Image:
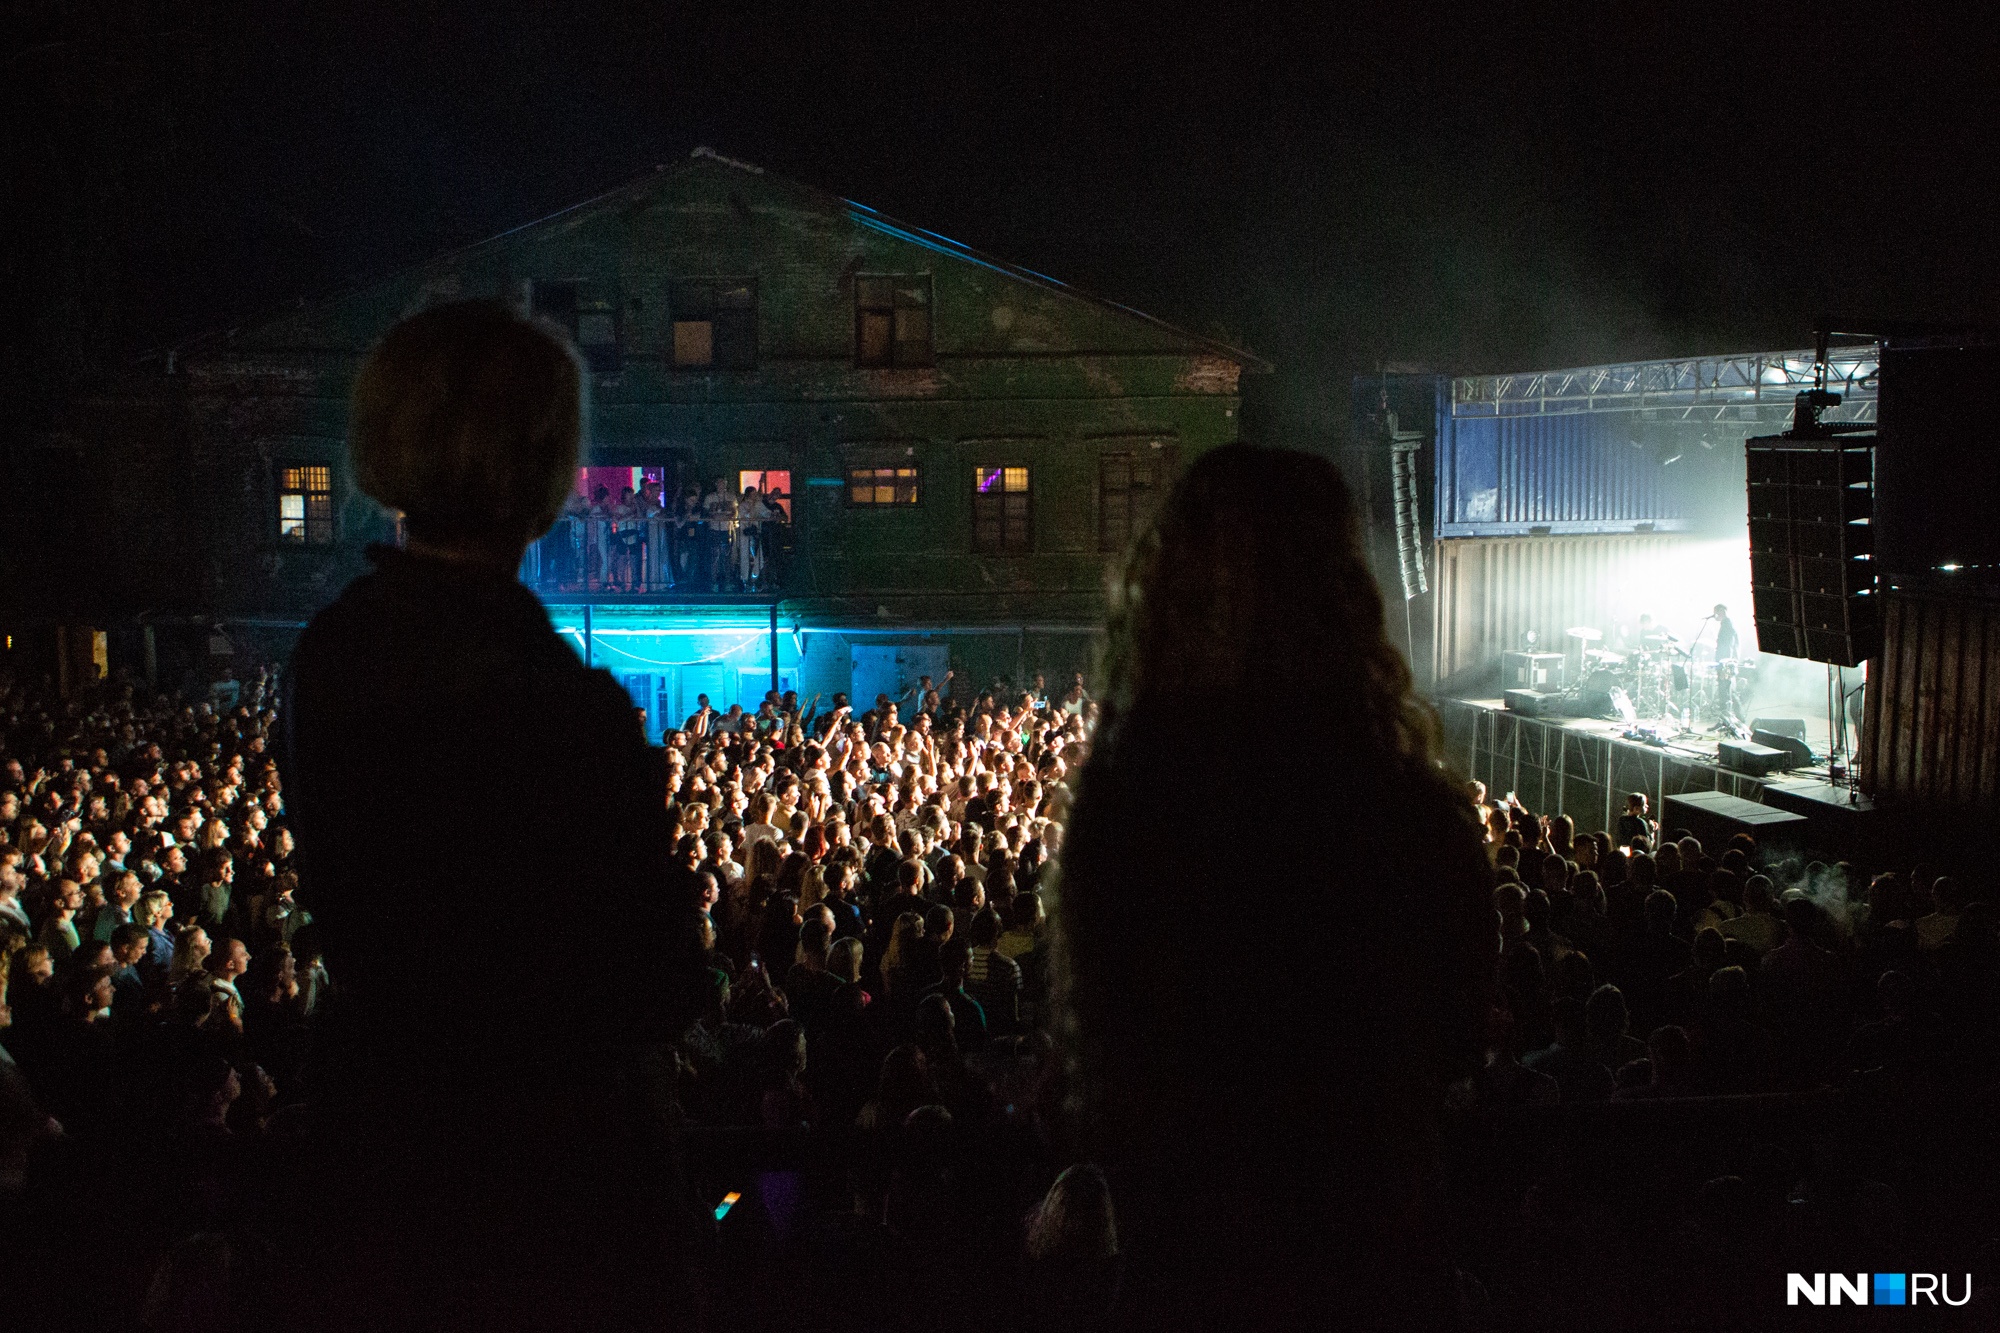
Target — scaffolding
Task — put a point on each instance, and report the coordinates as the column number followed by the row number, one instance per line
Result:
column 1559, row 769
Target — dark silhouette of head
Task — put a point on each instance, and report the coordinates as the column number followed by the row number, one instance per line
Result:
column 1252, row 581
column 468, row 418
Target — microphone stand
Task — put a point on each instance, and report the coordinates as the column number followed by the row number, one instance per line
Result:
column 1700, row 629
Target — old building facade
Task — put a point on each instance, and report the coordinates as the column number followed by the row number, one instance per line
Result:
column 959, row 445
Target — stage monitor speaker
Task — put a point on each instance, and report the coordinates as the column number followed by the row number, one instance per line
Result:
column 1797, row 753
column 1714, row 817
column 1749, row 757
column 1531, row 703
column 1795, row 727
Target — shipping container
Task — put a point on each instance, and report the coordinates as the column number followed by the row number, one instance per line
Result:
column 1492, row 591
column 1932, row 728
column 1645, row 446
column 1583, row 473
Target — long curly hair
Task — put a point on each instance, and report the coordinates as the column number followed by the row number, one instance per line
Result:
column 1260, row 1062
column 1251, row 584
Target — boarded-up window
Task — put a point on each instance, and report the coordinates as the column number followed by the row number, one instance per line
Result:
column 1002, row 511
column 305, row 504
column 892, row 321
column 896, row 485
column 555, row 302
column 714, row 323
column 1129, row 481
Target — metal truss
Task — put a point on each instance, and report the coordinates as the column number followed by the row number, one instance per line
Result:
column 1753, row 386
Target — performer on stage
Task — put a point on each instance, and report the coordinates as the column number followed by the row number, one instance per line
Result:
column 1728, row 670
column 1725, row 635
column 1642, row 638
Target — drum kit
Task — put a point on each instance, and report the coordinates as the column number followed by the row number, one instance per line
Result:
column 1661, row 679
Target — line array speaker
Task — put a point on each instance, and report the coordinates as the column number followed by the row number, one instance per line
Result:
column 1812, row 547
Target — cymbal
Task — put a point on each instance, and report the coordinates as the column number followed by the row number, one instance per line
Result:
column 1605, row 655
column 1586, row 633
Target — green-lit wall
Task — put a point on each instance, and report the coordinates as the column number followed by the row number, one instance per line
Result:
column 1026, row 373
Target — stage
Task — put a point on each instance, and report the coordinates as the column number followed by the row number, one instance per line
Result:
column 1584, row 768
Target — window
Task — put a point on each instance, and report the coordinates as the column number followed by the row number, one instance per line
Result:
column 714, row 323
column 892, row 321
column 1002, row 517
column 893, row 485
column 591, row 322
column 305, row 505
column 1128, row 482
column 555, row 302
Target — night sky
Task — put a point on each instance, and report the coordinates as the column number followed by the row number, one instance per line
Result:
column 1331, row 190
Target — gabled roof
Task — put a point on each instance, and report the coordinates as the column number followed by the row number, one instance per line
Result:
column 704, row 158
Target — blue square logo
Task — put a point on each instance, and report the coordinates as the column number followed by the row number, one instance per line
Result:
column 1890, row 1289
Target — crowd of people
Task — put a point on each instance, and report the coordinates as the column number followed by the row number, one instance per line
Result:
column 867, row 887
column 1642, row 964
column 871, row 880
column 870, row 895
column 964, row 1010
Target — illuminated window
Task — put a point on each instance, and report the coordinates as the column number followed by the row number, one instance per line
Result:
column 775, row 486
column 1127, row 485
column 1002, row 515
column 882, row 485
column 892, row 321
column 305, row 505
column 714, row 323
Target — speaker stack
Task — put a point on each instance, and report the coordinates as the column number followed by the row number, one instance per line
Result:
column 1812, row 546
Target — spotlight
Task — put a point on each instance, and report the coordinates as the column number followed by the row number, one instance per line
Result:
column 1670, row 460
column 1706, row 443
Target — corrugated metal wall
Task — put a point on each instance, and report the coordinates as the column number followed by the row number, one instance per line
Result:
column 1571, row 474
column 1490, row 591
column 1932, row 731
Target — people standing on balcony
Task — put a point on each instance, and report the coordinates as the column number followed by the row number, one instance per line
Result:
column 599, row 543
column 719, row 510
column 690, row 532
column 659, row 571
column 626, row 534
column 569, row 540
column 751, row 515
column 777, row 537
